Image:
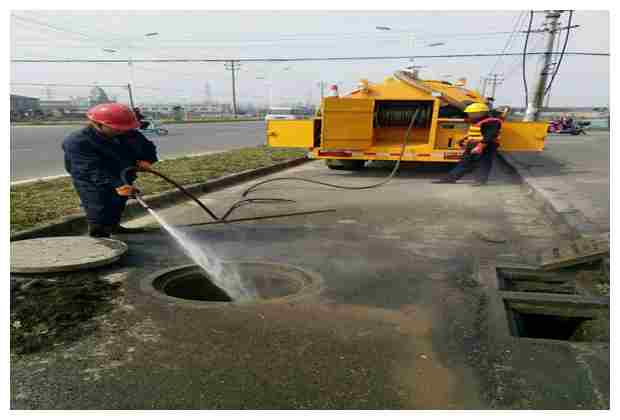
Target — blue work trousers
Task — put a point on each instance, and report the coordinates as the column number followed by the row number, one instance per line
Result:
column 470, row 162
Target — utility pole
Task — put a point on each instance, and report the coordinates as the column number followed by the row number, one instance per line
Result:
column 495, row 79
column 551, row 28
column 484, row 87
column 49, row 93
column 557, row 48
column 233, row 66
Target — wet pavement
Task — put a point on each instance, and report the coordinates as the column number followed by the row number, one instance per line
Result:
column 402, row 317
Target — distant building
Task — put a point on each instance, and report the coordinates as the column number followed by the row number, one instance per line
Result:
column 21, row 103
column 191, row 110
column 55, row 105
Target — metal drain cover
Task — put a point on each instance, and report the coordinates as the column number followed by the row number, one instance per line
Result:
column 261, row 281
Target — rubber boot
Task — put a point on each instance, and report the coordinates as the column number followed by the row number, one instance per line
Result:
column 99, row 231
column 121, row 230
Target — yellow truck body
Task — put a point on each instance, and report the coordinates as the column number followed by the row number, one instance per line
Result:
column 371, row 124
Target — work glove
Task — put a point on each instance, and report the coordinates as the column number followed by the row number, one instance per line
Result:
column 143, row 164
column 127, row 190
column 478, row 149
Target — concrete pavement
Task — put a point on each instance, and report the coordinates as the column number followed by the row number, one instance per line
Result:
column 401, row 321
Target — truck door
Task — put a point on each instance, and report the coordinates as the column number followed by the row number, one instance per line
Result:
column 290, row 133
column 347, row 123
column 519, row 136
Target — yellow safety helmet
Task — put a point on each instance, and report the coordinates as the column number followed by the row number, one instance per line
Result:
column 476, row 107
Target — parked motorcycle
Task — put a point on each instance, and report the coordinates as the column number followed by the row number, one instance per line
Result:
column 567, row 127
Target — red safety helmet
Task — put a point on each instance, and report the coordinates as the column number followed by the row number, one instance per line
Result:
column 113, row 115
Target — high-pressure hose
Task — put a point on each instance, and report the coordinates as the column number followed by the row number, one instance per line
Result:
column 234, row 207
column 247, row 201
column 346, row 187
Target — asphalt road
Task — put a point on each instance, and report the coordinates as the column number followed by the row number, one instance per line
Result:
column 574, row 172
column 36, row 151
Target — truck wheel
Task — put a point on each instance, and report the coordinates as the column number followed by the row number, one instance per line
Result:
column 345, row 165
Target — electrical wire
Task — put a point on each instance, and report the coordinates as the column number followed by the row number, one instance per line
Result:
column 300, row 59
column 557, row 67
column 508, row 42
column 527, row 37
column 516, row 63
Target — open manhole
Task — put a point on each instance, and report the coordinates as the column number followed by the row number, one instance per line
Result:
column 554, row 321
column 239, row 282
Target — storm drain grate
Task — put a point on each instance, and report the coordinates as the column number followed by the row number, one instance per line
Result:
column 536, row 282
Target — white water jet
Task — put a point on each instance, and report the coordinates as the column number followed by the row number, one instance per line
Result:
column 226, row 277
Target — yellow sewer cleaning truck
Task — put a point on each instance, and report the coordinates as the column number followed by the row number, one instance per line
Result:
column 372, row 122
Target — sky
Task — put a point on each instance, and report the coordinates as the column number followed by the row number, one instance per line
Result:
column 38, row 34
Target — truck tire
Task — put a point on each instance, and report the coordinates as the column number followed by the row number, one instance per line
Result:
column 345, row 165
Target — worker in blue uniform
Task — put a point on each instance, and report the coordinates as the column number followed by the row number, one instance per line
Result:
column 96, row 155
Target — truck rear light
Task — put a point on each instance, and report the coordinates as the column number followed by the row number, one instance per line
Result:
column 335, row 153
column 452, row 155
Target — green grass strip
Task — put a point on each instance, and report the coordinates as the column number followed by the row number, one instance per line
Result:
column 41, row 202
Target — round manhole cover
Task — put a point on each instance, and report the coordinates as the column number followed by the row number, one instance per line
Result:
column 239, row 282
column 64, row 253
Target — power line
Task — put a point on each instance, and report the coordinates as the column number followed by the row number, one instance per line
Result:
column 290, row 37
column 275, row 60
column 55, row 28
column 64, row 85
column 98, row 40
column 509, row 41
column 525, row 53
column 516, row 63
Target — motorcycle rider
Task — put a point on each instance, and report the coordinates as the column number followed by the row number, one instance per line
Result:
column 140, row 117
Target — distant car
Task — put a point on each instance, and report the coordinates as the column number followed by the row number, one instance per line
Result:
column 280, row 113
column 279, row 117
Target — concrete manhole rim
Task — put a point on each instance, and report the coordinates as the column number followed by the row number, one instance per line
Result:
column 311, row 286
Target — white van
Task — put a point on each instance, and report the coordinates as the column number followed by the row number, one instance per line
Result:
column 280, row 113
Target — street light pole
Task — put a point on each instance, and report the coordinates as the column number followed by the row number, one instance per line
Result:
column 130, row 85
column 131, row 102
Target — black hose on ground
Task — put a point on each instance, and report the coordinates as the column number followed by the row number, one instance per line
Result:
column 234, row 206
column 346, row 187
column 247, row 201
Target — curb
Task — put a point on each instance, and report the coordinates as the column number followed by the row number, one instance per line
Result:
column 77, row 224
column 562, row 211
